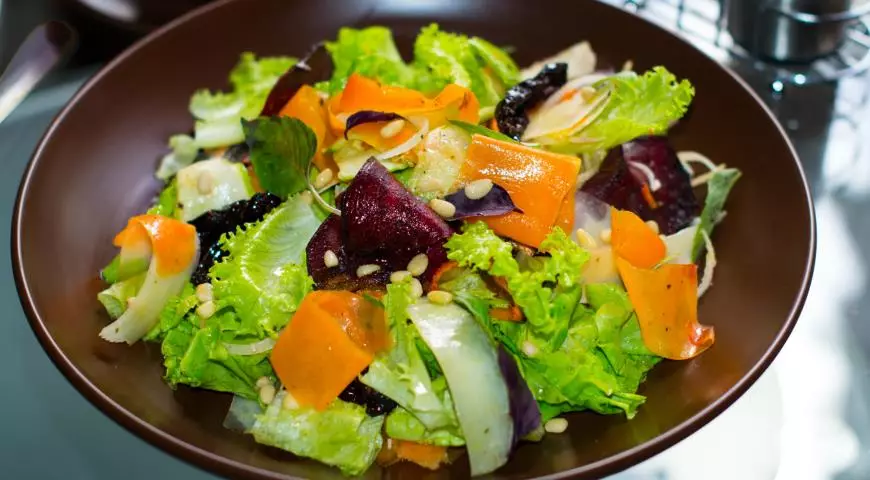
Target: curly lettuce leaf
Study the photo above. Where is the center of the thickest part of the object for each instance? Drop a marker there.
(263, 277)
(166, 204)
(639, 105)
(718, 188)
(573, 356)
(173, 313)
(498, 60)
(402, 374)
(547, 294)
(402, 425)
(184, 151)
(281, 150)
(342, 435)
(197, 357)
(219, 114)
(371, 52)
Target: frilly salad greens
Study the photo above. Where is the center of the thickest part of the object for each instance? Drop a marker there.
(415, 258)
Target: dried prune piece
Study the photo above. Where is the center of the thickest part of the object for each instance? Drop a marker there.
(511, 113)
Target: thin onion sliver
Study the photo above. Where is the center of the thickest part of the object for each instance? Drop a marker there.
(255, 348)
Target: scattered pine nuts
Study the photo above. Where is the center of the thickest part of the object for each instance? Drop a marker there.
(653, 225)
(267, 394)
(367, 269)
(330, 259)
(416, 288)
(393, 128)
(399, 276)
(556, 425)
(263, 381)
(206, 310)
(204, 292)
(605, 235)
(323, 178)
(418, 264)
(585, 239)
(478, 188)
(440, 297)
(443, 208)
(205, 183)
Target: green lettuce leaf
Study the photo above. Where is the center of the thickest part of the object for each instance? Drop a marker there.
(197, 357)
(342, 435)
(184, 151)
(718, 188)
(173, 313)
(547, 295)
(371, 52)
(639, 105)
(481, 130)
(402, 425)
(219, 113)
(167, 201)
(574, 356)
(263, 278)
(281, 150)
(498, 60)
(114, 298)
(402, 374)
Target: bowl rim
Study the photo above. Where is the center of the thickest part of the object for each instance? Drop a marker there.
(216, 463)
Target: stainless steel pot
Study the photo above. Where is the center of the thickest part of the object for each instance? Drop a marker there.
(792, 30)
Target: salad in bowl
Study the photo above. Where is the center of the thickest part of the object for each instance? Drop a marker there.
(388, 261)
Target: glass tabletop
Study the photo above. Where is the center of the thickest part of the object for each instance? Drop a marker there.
(806, 418)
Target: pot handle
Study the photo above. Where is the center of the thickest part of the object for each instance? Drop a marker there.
(816, 19)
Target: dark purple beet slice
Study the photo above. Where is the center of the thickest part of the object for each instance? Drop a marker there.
(316, 66)
(621, 186)
(381, 223)
(368, 116)
(496, 202)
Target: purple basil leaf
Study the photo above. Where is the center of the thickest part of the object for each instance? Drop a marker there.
(523, 407)
(316, 66)
(368, 116)
(382, 224)
(621, 185)
(496, 202)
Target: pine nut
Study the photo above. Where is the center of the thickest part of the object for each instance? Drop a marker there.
(267, 394)
(556, 425)
(367, 269)
(205, 183)
(204, 292)
(653, 225)
(529, 348)
(416, 288)
(443, 208)
(588, 93)
(289, 403)
(306, 197)
(330, 259)
(323, 178)
(605, 235)
(206, 310)
(263, 381)
(393, 128)
(440, 297)
(399, 276)
(418, 264)
(478, 188)
(585, 239)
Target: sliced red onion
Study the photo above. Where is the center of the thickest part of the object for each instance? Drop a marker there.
(255, 348)
(423, 126)
(496, 202)
(523, 407)
(368, 116)
(316, 66)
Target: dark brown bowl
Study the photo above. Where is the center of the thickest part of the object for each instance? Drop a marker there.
(95, 165)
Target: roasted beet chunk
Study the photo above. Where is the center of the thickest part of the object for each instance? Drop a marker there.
(214, 223)
(381, 224)
(625, 174)
(511, 113)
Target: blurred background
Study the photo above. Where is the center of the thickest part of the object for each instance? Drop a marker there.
(808, 417)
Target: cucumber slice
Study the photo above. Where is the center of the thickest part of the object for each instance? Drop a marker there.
(211, 185)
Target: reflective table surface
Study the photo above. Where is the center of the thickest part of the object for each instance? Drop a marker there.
(808, 417)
